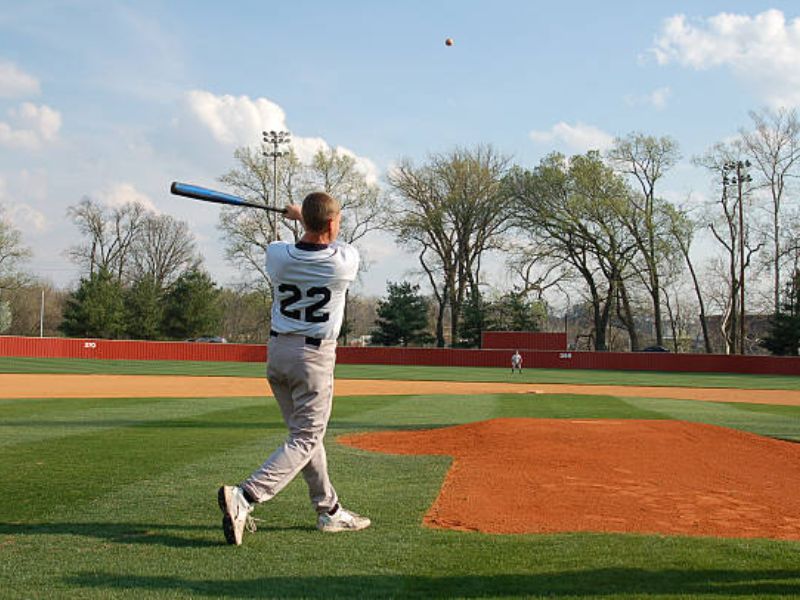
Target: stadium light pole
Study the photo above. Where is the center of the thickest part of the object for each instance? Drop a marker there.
(739, 179)
(276, 139)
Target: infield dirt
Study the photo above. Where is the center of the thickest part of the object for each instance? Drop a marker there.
(625, 476)
(167, 386)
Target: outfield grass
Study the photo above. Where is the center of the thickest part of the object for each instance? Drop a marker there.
(484, 374)
(116, 498)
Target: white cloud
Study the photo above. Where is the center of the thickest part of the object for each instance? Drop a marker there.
(15, 83)
(18, 212)
(31, 126)
(579, 137)
(27, 218)
(761, 50)
(240, 120)
(120, 194)
(236, 121)
(657, 98)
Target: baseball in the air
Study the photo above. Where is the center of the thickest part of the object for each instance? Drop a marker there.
(448, 42)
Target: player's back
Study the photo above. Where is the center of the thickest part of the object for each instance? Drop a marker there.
(309, 283)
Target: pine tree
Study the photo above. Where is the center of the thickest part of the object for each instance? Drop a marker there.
(192, 307)
(144, 310)
(783, 338)
(96, 308)
(402, 317)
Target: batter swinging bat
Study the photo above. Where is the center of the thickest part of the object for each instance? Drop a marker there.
(207, 195)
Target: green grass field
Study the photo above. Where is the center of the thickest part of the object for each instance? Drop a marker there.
(571, 376)
(117, 498)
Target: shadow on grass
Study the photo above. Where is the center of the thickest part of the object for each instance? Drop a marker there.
(122, 533)
(138, 533)
(594, 583)
(115, 423)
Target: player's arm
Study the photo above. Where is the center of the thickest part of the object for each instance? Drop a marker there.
(294, 212)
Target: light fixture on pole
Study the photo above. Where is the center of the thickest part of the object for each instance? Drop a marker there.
(276, 139)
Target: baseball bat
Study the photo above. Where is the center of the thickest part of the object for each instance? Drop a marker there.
(207, 195)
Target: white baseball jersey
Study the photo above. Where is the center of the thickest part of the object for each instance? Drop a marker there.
(309, 282)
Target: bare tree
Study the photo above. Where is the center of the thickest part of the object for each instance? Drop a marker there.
(452, 210)
(774, 146)
(163, 249)
(646, 159)
(247, 233)
(723, 221)
(111, 234)
(683, 229)
(362, 204)
(12, 252)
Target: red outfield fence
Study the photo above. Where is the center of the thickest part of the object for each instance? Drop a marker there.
(549, 359)
(524, 340)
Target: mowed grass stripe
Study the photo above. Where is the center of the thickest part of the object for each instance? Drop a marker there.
(406, 372)
(781, 422)
(131, 367)
(415, 412)
(25, 421)
(570, 406)
(67, 470)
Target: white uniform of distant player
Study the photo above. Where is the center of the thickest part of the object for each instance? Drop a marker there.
(309, 283)
(516, 361)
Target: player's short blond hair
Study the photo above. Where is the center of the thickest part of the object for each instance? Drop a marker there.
(318, 209)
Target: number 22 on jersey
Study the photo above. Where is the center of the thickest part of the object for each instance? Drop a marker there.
(310, 313)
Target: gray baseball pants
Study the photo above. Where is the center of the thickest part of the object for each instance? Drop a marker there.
(301, 378)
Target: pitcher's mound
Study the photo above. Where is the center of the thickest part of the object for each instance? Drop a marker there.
(556, 475)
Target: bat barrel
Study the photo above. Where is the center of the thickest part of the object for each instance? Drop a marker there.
(207, 195)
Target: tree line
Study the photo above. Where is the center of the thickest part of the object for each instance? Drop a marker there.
(594, 229)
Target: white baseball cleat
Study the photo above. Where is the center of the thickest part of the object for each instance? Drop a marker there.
(235, 513)
(342, 520)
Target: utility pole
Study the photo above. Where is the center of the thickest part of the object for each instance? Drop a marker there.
(276, 138)
(41, 316)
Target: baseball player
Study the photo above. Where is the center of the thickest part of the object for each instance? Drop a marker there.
(516, 361)
(309, 281)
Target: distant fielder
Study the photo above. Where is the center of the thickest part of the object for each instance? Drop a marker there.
(516, 362)
(309, 281)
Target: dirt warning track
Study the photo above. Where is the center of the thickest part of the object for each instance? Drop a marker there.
(167, 386)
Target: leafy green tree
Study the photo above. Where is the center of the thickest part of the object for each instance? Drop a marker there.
(784, 335)
(572, 209)
(246, 311)
(96, 308)
(402, 316)
(5, 316)
(473, 321)
(144, 310)
(646, 159)
(451, 210)
(192, 307)
(513, 311)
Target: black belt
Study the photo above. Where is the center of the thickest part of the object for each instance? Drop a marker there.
(309, 340)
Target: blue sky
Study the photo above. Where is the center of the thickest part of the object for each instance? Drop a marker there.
(116, 99)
